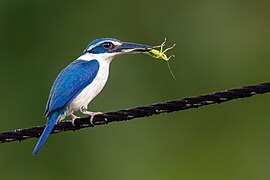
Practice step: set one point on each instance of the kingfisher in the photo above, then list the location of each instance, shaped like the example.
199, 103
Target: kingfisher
82, 80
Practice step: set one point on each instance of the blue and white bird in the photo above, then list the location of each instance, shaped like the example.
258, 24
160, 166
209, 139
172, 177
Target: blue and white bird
82, 80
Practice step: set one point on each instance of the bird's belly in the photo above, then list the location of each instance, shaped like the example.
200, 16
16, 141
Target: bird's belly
92, 90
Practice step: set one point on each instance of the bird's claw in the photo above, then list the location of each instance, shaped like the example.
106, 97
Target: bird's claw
92, 115
74, 117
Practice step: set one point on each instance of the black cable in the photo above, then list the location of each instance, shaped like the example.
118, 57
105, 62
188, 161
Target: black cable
142, 111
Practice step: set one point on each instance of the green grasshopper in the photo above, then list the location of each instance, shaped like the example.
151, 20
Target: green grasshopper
160, 54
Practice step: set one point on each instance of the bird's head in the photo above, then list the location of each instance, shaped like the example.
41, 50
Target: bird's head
108, 48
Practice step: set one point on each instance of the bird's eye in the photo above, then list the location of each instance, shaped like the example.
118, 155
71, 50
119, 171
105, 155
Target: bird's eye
108, 45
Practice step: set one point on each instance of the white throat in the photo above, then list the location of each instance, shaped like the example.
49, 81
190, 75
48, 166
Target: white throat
100, 57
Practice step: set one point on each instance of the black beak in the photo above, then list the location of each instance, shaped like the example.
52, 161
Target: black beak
127, 47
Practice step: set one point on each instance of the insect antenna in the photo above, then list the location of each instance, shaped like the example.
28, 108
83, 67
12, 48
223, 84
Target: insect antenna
169, 67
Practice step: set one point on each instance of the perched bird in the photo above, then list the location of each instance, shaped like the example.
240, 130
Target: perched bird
82, 80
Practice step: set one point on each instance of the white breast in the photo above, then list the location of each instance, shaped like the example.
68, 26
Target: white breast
93, 89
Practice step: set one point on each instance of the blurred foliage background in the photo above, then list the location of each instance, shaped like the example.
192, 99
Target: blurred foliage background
220, 45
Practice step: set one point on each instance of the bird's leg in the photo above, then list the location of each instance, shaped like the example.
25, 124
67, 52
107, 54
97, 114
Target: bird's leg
92, 114
74, 117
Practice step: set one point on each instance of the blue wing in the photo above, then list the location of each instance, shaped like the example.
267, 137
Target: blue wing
70, 82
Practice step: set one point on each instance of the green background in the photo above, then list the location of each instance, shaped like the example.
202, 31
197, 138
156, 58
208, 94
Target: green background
220, 45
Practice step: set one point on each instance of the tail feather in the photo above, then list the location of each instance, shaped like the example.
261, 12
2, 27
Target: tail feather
46, 132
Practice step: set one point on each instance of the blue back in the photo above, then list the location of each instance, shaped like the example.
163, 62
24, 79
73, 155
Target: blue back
70, 82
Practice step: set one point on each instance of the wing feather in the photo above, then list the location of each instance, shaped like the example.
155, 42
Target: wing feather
70, 82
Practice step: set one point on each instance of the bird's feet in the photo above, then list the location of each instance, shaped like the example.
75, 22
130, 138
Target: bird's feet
91, 114
74, 117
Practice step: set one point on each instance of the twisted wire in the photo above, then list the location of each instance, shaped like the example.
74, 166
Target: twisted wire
142, 111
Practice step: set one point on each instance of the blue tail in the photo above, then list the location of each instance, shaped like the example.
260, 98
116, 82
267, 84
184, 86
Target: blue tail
51, 120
